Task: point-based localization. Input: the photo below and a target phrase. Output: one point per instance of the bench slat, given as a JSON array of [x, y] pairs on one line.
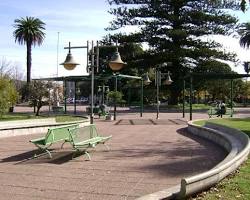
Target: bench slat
[[86, 137], [92, 141], [38, 141], [214, 111], [53, 135]]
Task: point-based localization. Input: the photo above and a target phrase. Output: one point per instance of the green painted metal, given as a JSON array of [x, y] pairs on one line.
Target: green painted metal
[[208, 75], [75, 83], [54, 135], [212, 76], [214, 112], [191, 99], [92, 78], [86, 137], [65, 98], [92, 83], [158, 81], [128, 76], [141, 98], [115, 98], [231, 96], [183, 99]]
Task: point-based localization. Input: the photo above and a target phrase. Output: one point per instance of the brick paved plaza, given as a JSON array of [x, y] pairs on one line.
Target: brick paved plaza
[[146, 156]]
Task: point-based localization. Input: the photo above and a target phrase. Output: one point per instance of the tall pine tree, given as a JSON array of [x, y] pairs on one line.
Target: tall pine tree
[[174, 30]]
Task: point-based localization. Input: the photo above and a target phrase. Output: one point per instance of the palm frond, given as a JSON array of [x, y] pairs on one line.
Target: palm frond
[[29, 30], [245, 35]]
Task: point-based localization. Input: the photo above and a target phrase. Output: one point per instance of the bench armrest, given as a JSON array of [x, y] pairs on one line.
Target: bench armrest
[[38, 141]]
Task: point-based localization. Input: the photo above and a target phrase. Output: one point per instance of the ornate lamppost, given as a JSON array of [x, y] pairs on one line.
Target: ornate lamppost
[[102, 90], [158, 80], [115, 64]]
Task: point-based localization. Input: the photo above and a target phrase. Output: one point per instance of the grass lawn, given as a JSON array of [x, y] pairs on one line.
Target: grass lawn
[[59, 118], [236, 186]]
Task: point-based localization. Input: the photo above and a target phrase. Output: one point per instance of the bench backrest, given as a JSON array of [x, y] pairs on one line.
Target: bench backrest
[[83, 133], [59, 133]]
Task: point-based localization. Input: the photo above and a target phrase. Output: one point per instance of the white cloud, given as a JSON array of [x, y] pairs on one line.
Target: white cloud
[[231, 44]]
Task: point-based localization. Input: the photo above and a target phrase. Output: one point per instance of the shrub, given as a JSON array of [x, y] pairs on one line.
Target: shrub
[[8, 95]]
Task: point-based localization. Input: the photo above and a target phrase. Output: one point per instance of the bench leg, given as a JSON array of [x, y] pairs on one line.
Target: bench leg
[[107, 147], [48, 152], [41, 154], [81, 152], [63, 144], [43, 149], [87, 153]]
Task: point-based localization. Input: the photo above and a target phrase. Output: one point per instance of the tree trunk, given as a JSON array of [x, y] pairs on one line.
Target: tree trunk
[[39, 105], [28, 62], [38, 110]]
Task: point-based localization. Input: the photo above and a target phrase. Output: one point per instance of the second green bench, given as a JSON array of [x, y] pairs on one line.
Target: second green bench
[[214, 111], [86, 137]]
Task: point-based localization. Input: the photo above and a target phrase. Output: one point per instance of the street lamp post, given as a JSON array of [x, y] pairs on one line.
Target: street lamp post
[[116, 64], [158, 83], [144, 81], [191, 98], [158, 78], [103, 89], [70, 64]]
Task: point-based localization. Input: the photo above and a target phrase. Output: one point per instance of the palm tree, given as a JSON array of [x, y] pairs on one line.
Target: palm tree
[[245, 35], [29, 31]]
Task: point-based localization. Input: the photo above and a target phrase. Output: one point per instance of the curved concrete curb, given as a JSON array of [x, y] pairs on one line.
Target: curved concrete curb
[[235, 142], [26, 127]]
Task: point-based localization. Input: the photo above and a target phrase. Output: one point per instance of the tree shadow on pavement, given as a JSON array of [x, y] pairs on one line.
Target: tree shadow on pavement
[[186, 160], [58, 157], [180, 157]]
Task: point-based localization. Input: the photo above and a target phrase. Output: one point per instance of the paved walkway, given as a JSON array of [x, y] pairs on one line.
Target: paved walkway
[[146, 156]]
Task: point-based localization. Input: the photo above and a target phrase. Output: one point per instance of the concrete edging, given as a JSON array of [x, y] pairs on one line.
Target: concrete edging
[[235, 142], [33, 126]]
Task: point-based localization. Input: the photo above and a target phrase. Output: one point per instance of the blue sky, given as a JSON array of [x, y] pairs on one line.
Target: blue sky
[[76, 21]]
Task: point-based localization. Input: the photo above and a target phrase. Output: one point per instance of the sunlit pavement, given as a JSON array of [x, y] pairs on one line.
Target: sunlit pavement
[[146, 155]]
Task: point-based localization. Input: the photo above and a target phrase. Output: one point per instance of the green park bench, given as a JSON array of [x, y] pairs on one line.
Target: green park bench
[[54, 135], [57, 109], [86, 137], [214, 111], [95, 110]]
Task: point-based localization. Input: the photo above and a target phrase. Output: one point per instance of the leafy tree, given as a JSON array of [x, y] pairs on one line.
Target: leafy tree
[[174, 31], [230, 4], [129, 53], [244, 32], [8, 95], [218, 88], [39, 94], [5, 68], [115, 96], [29, 31], [11, 71], [243, 92]]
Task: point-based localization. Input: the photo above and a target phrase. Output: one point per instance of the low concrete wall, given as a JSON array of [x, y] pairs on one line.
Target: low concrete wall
[[33, 126], [235, 142], [26, 123]]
